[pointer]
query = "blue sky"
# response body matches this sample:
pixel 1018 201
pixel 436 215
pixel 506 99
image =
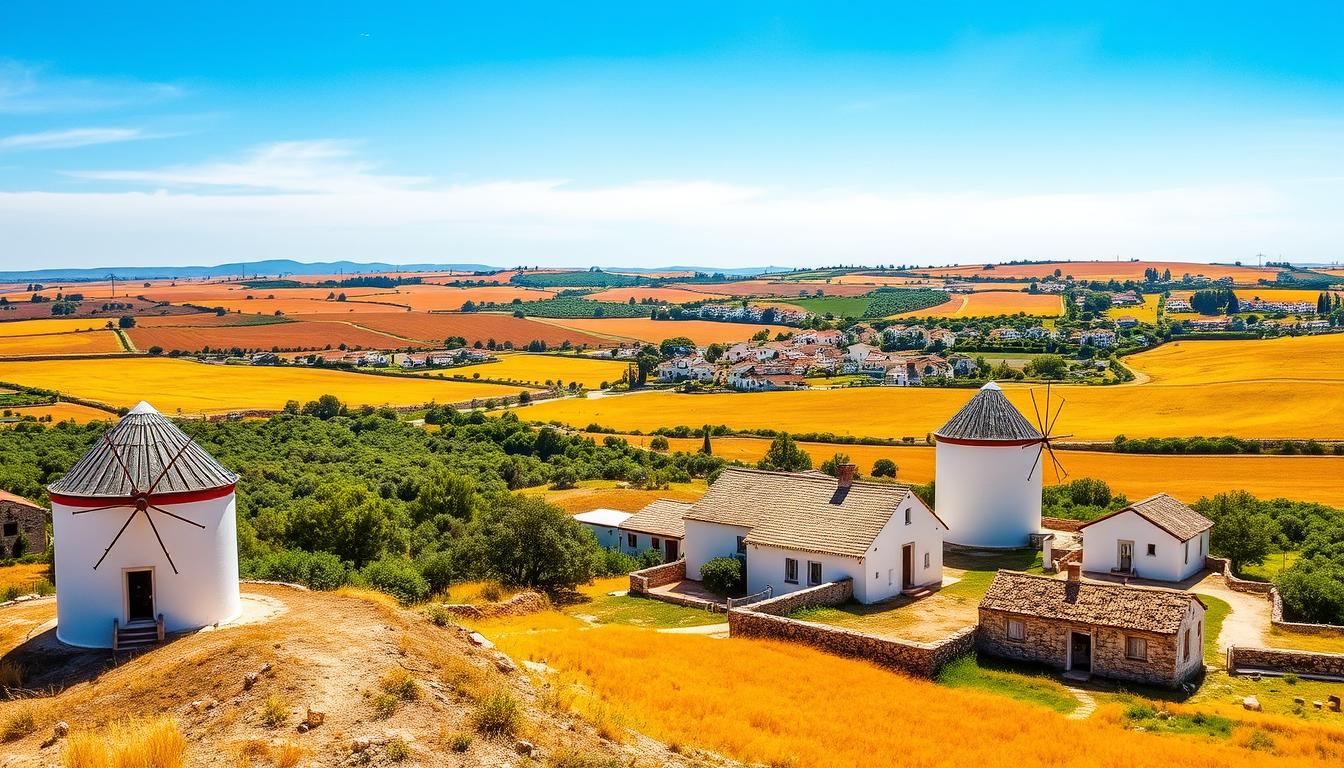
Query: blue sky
pixel 707 134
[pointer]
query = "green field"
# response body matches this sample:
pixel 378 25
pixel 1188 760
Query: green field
pixel 835 306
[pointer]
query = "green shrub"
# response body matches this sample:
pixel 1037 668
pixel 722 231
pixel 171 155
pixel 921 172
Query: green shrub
pixel 722 575
pixel 315 570
pixel 613 562
pixel 649 558
pixel 498 715
pixel 397 577
pixel 439 616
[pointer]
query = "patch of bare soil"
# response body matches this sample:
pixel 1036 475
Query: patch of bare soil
pixel 241 692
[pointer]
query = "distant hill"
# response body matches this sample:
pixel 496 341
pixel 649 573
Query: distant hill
pixel 273 267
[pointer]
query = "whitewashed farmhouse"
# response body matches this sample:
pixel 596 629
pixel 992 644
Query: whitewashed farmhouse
pixel 1157 538
pixel 657 526
pixel 605 525
pixel 796 530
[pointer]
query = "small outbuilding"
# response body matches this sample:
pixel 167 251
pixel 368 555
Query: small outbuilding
pixel 1149 635
pixel 146 538
pixel 658 526
pixel 605 524
pixel 1157 538
pixel 23 526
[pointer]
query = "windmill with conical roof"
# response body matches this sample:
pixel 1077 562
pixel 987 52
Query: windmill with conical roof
pixel 146 537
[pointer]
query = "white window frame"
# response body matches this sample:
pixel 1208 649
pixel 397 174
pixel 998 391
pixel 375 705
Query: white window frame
pixel 813 566
pixel 1016 630
pixel 790 563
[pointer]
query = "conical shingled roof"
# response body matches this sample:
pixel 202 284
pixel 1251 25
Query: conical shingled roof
pixel 989 417
pixel 133 456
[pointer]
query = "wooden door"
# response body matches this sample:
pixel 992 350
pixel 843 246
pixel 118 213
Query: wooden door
pixel 907 566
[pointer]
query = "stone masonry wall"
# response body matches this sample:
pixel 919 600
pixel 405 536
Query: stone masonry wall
pixel 923 659
pixel 30 522
pixel 1062 524
pixel 657 576
pixel 1276 620
pixel 1224 566
pixel 1297 662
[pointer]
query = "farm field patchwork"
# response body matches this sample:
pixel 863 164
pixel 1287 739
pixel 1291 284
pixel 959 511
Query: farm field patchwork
pixel 424 298
pixel 538 369
pixel 296 306
pixel 1302 478
pixel 1092 413
pixel 993 303
pixel 654 331
pixel 76 343
pixel 206 320
pixel 1285 359
pixel 786 288
pixel 473 326
pixel 670 295
pixel 298 335
pixel 1108 270
pixel 180 386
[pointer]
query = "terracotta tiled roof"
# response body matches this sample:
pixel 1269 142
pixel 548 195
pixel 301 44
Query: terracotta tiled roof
pixel 17 499
pixel 989 416
pixel 141 451
pixel 1148 609
pixel 660 518
pixel 804 511
pixel 1167 513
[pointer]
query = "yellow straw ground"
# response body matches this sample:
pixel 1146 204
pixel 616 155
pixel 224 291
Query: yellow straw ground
pixel 80 343
pixel 175 386
pixel 538 369
pixel 53 325
pixel 62 412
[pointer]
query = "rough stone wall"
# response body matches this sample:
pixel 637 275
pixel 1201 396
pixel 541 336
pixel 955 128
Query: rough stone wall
pixel 1278 660
pixel 1046 643
pixel 765 620
pixel 1234 583
pixel 1276 620
pixel 657 576
pixel 32 525
pixel 521 604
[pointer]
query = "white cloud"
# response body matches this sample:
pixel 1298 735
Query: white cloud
pixel 323 166
pixel 317 201
pixel 71 137
pixel 26 89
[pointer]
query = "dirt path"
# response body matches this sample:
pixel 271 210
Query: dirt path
pixel 1248 621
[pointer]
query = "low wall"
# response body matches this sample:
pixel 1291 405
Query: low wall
pixel 1276 620
pixel 521 604
pixel 1062 524
pixel 922 659
pixel 1236 583
pixel 1278 660
pixel 657 576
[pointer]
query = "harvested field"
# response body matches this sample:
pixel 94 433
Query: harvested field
pixel 58 412
pixel 539 369
pixel 77 343
pixel 1144 313
pixel 784 288
pixel 591 494
pixel 93 309
pixel 210 293
pixel 206 320
pixel 669 295
pixel 180 386
pixel 654 331
pixel 993 303
pixel 1093 413
pixel 472 326
pixel 54 325
pixel 1108 270
pixel 296 336
pixel 859 278
pixel 426 298
pixel 1301 478
pixel 1285 359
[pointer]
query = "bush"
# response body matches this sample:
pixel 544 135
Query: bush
pixel 722 575
pixel 397 577
pixel 498 715
pixel 884 468
pixel 274 712
pixel 397 749
pixel 659 443
pixel 1313 593
pixel 460 742
pixel 613 562
pixel 315 570
pixel 648 559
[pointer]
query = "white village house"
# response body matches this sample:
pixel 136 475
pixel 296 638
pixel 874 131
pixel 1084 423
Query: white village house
pixel 657 526
pixel 1157 538
pixel 605 525
pixel 146 537
pixel 796 530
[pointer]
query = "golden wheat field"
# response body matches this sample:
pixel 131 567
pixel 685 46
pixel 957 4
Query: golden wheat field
pixel 1108 270
pixel 993 303
pixel 1303 478
pixel 179 386
pixel 539 369
pixel 608 494
pixel 640 679
pixel 654 331
pixel 54 325
pixel 76 343
pixel 1285 359
pixel 1245 409
pixel 1144 313
pixel 58 412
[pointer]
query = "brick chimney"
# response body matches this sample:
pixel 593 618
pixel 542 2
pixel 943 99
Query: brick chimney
pixel 1075 570
pixel 844 475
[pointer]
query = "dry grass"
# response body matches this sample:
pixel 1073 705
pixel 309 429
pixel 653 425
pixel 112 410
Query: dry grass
pixel 77 343
pixel 1106 270
pixel 58 412
pixel 1246 409
pixel 1285 359
pixel 661 685
pixel 13 328
pixel 133 743
pixel 475 326
pixel 1144 313
pixel 539 369
pixel 178 385
pixel 591 494
pixel 992 303
pixel 297 308
pixel 287 754
pixel 654 331
pixel 23 576
pixel 295 336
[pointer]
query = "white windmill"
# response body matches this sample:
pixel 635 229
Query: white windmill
pixel 122 578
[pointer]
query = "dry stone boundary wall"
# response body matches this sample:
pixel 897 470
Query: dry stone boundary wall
pixel 1281 660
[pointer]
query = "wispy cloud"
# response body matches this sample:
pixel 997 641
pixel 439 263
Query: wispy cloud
pixel 26 89
pixel 324 166
pixel 72 137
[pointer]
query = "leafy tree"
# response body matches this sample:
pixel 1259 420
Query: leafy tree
pixel 668 346
pixel 535 544
pixel 126 321
pixel 444 493
pixel 344 518
pixel 325 407
pixel 397 577
pixel 713 352
pixel 706 448
pixel 884 468
pixel 784 455
pixel 659 443
pixel 1241 531
pixel 832 465
pixel 1314 592
pixel 1048 367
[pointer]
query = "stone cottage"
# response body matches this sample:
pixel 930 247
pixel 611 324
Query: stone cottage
pixel 21 520
pixel 1140 634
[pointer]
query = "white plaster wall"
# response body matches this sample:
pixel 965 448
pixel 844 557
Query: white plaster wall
pixel 882 574
pixel 203 592
pixel 607 536
pixel 765 567
pixel 1101 548
pixel 705 541
pixel 985 496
